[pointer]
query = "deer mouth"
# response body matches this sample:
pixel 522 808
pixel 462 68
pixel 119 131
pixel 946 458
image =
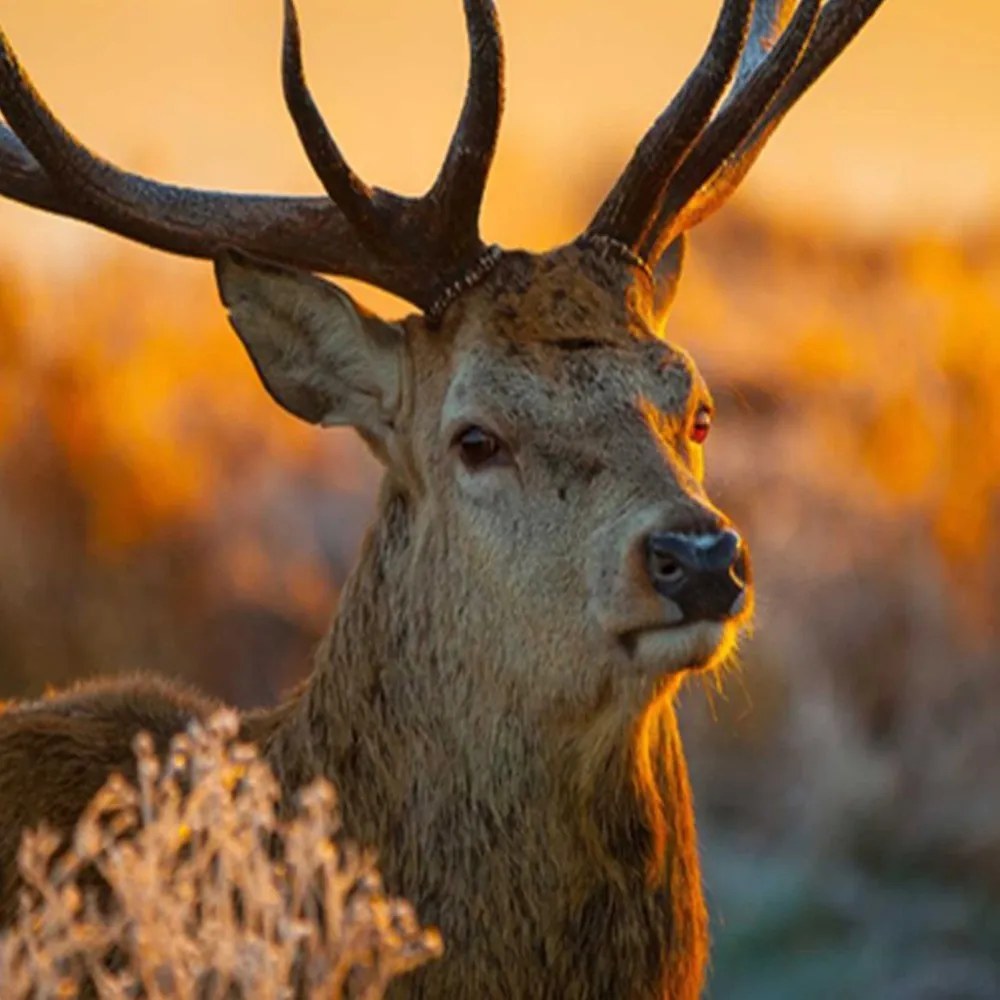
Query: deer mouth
pixel 680 646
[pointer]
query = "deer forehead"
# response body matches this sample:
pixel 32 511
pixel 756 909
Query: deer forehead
pixel 561 338
pixel 530 390
pixel 565 296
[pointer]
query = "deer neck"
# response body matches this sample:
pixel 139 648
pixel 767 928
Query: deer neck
pixel 467 790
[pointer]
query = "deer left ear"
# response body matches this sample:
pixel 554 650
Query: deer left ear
pixel 666 277
pixel 319 354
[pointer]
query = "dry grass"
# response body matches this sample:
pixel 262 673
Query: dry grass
pixel 212 895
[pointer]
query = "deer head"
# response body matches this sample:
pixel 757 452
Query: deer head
pixel 545 435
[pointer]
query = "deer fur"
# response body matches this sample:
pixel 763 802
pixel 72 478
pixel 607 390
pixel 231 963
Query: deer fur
pixel 517 767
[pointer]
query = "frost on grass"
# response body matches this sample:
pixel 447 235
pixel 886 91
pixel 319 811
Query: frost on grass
pixel 208 892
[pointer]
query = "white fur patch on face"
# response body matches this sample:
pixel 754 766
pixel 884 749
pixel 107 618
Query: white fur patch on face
pixel 697 646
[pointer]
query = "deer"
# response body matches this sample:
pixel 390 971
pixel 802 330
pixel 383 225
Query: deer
pixel 495 698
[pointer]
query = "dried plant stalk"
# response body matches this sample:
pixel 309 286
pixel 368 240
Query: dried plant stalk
pixel 190 885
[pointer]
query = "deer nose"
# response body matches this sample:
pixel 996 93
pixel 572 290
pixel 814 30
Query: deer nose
pixel 705 575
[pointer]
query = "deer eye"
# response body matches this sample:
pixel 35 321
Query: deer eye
pixel 701 425
pixel 480 448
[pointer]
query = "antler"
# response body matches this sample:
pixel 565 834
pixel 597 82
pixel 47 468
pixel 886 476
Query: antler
pixel 414 247
pixel 788 46
pixel 424 249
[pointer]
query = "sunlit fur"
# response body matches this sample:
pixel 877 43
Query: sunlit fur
pixel 495 698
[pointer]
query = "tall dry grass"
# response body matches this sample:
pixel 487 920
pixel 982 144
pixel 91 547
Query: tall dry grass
pixel 189 884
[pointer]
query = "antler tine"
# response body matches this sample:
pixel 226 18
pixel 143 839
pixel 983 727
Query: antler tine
pixel 733 124
pixel 347 190
pixel 97 185
pixel 461 184
pixel 21 177
pixel 300 232
pixel 447 218
pixel 628 209
pixel 838 24
pixel 415 248
pixel 770 18
pixel 42 164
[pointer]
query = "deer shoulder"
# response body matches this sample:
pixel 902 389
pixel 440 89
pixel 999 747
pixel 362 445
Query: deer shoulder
pixel 56 753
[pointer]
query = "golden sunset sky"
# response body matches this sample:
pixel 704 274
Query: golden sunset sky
pixel 902 132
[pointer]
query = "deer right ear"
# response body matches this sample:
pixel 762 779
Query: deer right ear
pixel 319 354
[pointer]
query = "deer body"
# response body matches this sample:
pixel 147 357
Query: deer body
pixel 494 700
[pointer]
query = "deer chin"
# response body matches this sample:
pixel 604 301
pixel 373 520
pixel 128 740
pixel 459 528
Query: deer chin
pixel 672 649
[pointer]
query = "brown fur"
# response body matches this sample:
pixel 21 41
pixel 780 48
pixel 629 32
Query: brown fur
pixel 518 770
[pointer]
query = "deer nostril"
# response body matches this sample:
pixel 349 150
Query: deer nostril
pixel 665 569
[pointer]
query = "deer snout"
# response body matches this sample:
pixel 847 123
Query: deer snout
pixel 704 574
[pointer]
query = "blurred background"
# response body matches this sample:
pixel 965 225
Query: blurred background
pixel 158 512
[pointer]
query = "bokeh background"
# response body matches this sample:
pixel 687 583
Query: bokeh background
pixel 158 512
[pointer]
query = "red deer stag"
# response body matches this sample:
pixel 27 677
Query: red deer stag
pixel 495 697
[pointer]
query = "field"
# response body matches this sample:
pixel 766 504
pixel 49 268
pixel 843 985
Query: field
pixel 157 512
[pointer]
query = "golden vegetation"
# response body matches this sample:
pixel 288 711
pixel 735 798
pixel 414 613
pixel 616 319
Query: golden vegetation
pixel 211 894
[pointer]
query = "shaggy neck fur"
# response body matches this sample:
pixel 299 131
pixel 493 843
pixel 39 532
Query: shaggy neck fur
pixel 554 849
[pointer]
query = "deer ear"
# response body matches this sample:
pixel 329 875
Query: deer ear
pixel 319 354
pixel 666 277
